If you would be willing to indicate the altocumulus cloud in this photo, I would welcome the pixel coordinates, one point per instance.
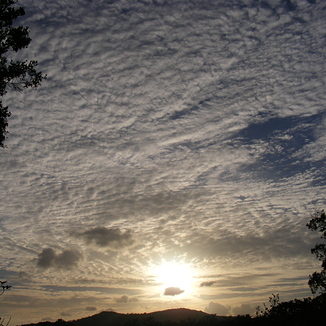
(66, 259)
(106, 237)
(199, 123)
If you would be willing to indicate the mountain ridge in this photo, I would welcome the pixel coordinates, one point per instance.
(105, 318)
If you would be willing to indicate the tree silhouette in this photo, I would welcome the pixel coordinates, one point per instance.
(317, 281)
(14, 74)
(4, 287)
(297, 312)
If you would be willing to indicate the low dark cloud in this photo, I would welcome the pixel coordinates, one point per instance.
(243, 309)
(99, 289)
(126, 299)
(173, 291)
(65, 314)
(203, 284)
(240, 283)
(217, 308)
(23, 276)
(122, 299)
(66, 259)
(106, 237)
(91, 308)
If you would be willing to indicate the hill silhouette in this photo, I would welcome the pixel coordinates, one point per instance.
(117, 319)
(113, 318)
(297, 312)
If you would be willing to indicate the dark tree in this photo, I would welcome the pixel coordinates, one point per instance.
(317, 281)
(4, 287)
(14, 74)
(297, 312)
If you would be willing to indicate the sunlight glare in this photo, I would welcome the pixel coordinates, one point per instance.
(173, 274)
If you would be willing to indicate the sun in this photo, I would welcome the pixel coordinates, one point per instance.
(175, 278)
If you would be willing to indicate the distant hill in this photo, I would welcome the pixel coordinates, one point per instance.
(297, 312)
(106, 318)
(113, 318)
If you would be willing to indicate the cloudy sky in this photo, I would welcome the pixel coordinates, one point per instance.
(171, 159)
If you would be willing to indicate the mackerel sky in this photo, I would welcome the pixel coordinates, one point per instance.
(167, 131)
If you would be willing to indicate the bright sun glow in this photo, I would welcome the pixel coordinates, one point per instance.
(175, 275)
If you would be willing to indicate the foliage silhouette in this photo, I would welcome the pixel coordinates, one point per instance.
(295, 312)
(273, 302)
(2, 322)
(317, 281)
(14, 74)
(4, 287)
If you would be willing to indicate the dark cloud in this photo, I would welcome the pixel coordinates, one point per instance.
(104, 290)
(173, 291)
(46, 258)
(65, 314)
(24, 276)
(238, 282)
(126, 299)
(90, 308)
(66, 259)
(203, 284)
(122, 299)
(105, 237)
(243, 309)
(217, 308)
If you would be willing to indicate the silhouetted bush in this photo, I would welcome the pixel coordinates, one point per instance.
(308, 311)
(317, 281)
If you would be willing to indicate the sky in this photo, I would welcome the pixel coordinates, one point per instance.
(171, 159)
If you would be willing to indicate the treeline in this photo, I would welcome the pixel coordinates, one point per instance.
(297, 312)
